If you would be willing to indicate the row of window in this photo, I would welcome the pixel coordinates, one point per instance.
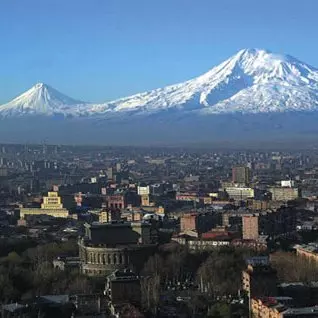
(94, 258)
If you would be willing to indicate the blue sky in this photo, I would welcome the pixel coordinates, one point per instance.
(98, 50)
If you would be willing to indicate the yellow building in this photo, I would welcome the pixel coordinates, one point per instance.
(160, 210)
(104, 217)
(284, 193)
(267, 307)
(52, 205)
(310, 251)
(240, 193)
(145, 201)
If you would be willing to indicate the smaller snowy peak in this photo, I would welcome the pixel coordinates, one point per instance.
(41, 99)
(44, 93)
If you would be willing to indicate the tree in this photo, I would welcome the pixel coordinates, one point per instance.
(7, 292)
(150, 292)
(220, 274)
(220, 310)
(130, 311)
(291, 267)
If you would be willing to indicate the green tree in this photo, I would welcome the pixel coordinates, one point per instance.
(220, 310)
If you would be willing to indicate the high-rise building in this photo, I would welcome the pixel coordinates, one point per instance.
(3, 172)
(256, 223)
(3, 162)
(145, 201)
(241, 174)
(250, 227)
(109, 173)
(198, 222)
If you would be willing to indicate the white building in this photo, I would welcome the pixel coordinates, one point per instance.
(287, 183)
(143, 190)
(240, 193)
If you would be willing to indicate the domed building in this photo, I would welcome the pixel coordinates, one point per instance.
(106, 247)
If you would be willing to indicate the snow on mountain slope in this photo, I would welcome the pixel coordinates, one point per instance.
(42, 99)
(252, 81)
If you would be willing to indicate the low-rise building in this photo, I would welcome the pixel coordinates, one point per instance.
(278, 307)
(199, 244)
(256, 245)
(52, 206)
(66, 263)
(307, 250)
(265, 307)
(106, 247)
(123, 286)
(284, 193)
(240, 193)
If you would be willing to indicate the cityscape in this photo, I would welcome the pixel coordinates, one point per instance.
(157, 232)
(158, 159)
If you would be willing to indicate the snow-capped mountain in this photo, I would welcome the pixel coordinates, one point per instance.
(252, 81)
(253, 95)
(42, 99)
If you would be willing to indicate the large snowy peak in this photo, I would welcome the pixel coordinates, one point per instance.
(41, 99)
(263, 82)
(251, 81)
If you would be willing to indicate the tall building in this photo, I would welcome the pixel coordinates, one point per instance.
(269, 222)
(145, 201)
(241, 174)
(110, 174)
(118, 167)
(198, 222)
(3, 172)
(3, 162)
(250, 227)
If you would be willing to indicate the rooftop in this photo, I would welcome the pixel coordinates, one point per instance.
(310, 247)
(302, 311)
(116, 224)
(123, 275)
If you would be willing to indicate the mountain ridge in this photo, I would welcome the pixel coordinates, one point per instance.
(251, 81)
